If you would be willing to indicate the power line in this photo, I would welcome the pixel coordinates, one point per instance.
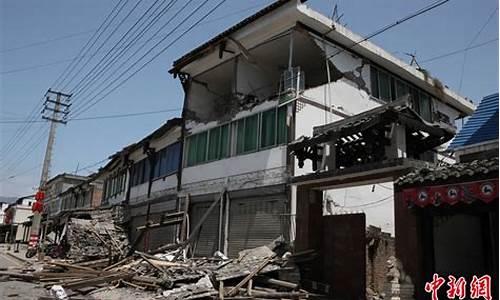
(109, 63)
(470, 43)
(58, 62)
(90, 43)
(72, 35)
(21, 132)
(91, 104)
(387, 27)
(105, 40)
(102, 82)
(370, 203)
(63, 37)
(91, 165)
(106, 116)
(21, 173)
(459, 51)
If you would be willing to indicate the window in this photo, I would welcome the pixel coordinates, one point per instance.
(388, 88)
(268, 129)
(282, 126)
(251, 131)
(258, 131)
(167, 160)
(214, 143)
(225, 143)
(425, 109)
(140, 172)
(197, 148)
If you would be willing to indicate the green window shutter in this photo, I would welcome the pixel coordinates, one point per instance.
(402, 89)
(251, 132)
(374, 81)
(240, 136)
(425, 109)
(268, 128)
(214, 144)
(201, 147)
(385, 86)
(225, 141)
(282, 126)
(191, 155)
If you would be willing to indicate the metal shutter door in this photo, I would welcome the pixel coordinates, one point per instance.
(134, 233)
(256, 221)
(207, 239)
(162, 235)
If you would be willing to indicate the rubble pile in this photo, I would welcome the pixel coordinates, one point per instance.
(95, 239)
(255, 274)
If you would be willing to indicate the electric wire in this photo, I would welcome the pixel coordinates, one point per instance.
(122, 50)
(459, 51)
(106, 39)
(91, 104)
(117, 116)
(392, 25)
(92, 40)
(470, 43)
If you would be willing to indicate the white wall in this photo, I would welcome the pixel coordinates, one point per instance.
(265, 167)
(376, 202)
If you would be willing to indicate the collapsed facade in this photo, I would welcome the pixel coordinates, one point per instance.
(144, 176)
(269, 80)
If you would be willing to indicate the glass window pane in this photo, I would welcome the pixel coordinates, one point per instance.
(268, 128)
(225, 144)
(174, 157)
(201, 147)
(374, 82)
(425, 106)
(240, 136)
(401, 89)
(385, 86)
(251, 127)
(191, 155)
(282, 127)
(147, 169)
(214, 144)
(414, 99)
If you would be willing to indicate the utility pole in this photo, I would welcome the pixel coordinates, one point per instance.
(56, 110)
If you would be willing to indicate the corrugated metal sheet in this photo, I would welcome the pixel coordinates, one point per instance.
(207, 241)
(482, 125)
(256, 221)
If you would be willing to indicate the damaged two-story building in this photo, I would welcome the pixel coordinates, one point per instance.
(271, 79)
(144, 176)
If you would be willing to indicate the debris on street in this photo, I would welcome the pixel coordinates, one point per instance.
(255, 274)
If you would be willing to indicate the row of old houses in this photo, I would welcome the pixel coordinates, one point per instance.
(252, 95)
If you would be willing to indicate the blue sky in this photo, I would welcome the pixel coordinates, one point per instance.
(448, 28)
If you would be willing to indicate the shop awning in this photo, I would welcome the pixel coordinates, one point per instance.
(468, 183)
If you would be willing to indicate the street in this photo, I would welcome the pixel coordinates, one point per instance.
(12, 289)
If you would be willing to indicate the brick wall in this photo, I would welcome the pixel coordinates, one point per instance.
(379, 247)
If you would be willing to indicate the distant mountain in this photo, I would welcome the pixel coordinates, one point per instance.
(7, 199)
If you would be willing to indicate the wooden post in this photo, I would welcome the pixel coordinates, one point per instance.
(226, 225)
(185, 220)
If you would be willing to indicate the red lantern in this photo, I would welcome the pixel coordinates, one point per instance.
(39, 196)
(37, 206)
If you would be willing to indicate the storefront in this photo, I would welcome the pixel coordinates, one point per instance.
(447, 223)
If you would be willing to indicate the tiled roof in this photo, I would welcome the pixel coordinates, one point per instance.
(482, 125)
(460, 172)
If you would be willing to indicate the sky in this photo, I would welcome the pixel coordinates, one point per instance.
(39, 39)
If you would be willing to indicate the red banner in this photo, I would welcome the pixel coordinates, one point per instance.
(469, 192)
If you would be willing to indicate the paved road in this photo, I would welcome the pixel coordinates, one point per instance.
(17, 289)
(8, 261)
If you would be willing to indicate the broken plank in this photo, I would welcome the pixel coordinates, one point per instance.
(98, 280)
(261, 266)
